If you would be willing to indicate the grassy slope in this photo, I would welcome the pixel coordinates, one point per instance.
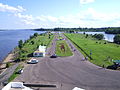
(30, 48)
(62, 53)
(100, 52)
(14, 75)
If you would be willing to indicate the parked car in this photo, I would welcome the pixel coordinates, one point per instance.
(19, 71)
(32, 61)
(53, 56)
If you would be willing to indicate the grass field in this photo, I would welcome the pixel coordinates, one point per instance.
(60, 52)
(101, 52)
(14, 75)
(29, 47)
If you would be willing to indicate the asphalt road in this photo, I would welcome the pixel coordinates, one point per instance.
(70, 72)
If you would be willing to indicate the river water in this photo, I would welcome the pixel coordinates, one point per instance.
(107, 37)
(9, 40)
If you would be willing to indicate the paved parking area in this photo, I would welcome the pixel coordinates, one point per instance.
(70, 72)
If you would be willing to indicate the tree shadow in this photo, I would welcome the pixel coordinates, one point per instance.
(30, 55)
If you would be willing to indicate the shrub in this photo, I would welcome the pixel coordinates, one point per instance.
(7, 64)
(117, 39)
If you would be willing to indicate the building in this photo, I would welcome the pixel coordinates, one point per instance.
(40, 52)
(16, 86)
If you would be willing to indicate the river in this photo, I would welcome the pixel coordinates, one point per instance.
(9, 40)
(107, 37)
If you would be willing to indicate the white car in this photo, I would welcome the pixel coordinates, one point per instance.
(32, 61)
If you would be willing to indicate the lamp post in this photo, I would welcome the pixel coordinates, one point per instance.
(90, 53)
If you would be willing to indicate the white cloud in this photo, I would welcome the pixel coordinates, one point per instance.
(87, 18)
(46, 18)
(86, 1)
(27, 22)
(26, 19)
(99, 16)
(7, 8)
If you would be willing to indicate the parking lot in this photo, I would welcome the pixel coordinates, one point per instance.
(69, 72)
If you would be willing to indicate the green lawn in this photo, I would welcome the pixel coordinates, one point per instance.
(102, 53)
(14, 75)
(29, 47)
(60, 52)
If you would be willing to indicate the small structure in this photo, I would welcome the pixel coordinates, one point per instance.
(76, 88)
(16, 86)
(40, 52)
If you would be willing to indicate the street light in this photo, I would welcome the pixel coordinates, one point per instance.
(90, 53)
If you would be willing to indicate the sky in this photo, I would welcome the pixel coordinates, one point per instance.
(30, 14)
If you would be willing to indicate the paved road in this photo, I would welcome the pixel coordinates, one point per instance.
(68, 72)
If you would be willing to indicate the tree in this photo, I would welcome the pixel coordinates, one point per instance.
(32, 42)
(98, 36)
(117, 39)
(7, 64)
(20, 44)
(35, 34)
(86, 36)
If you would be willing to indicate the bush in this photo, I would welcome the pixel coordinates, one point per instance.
(98, 36)
(20, 44)
(7, 64)
(117, 39)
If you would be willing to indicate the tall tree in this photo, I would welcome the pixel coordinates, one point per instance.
(20, 44)
(117, 39)
(36, 34)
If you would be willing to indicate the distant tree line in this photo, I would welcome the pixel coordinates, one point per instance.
(115, 30)
(73, 29)
(108, 30)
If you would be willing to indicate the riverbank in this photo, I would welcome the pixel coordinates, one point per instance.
(8, 58)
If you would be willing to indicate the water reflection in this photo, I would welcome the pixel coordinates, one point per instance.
(108, 37)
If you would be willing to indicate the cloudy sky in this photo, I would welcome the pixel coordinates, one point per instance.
(23, 14)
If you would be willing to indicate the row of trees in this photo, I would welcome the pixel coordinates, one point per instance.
(101, 36)
(72, 29)
(21, 43)
(113, 31)
(98, 36)
(109, 30)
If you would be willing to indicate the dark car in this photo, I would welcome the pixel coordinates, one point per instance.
(53, 56)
